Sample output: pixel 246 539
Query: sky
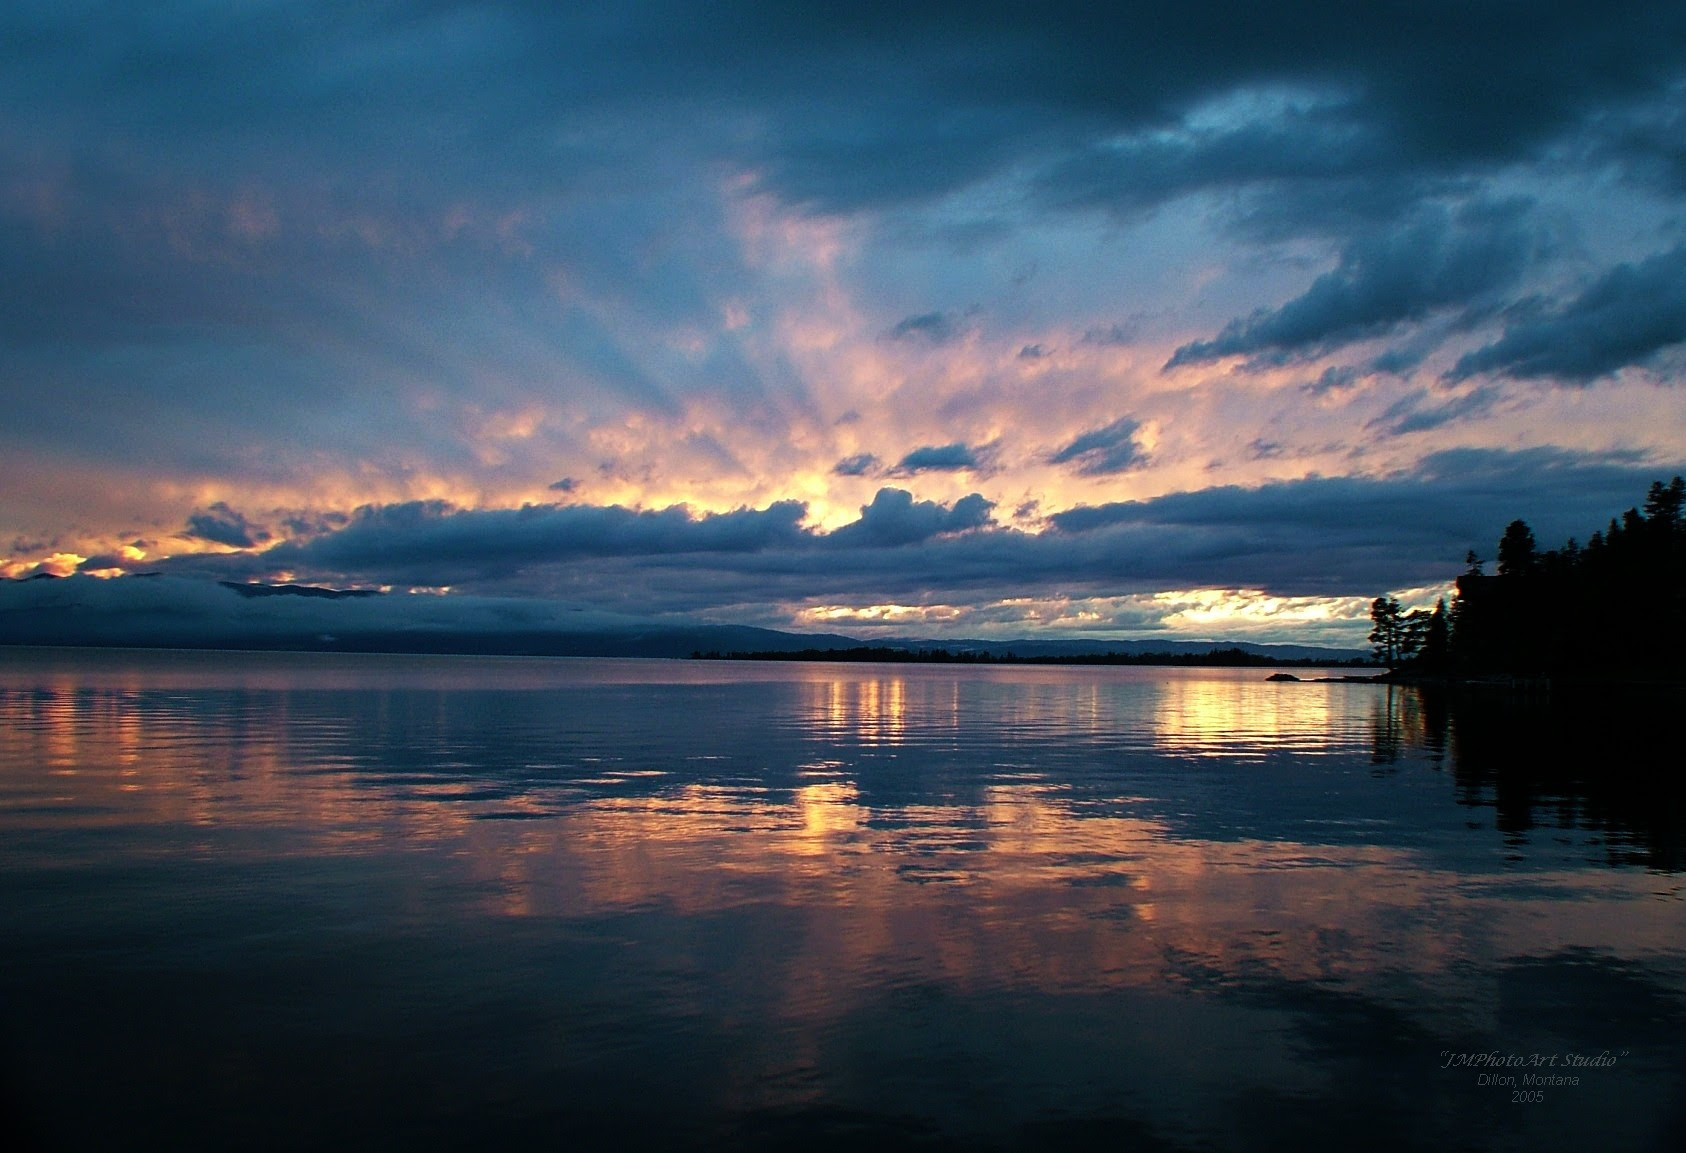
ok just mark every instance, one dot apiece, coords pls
pixel 985 319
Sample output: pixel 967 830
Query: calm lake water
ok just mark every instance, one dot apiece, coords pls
pixel 268 901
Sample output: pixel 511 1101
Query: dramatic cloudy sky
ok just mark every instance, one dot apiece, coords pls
pixel 968 319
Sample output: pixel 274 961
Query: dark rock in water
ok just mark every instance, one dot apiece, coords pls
pixel 1282 677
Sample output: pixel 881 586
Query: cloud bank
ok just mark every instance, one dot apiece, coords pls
pixel 1332 538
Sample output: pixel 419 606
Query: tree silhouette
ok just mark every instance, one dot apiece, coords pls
pixel 1615 609
pixel 1663 503
pixel 1516 550
pixel 1387 632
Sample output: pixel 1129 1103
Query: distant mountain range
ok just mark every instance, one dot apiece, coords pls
pixel 179 612
pixel 1028 647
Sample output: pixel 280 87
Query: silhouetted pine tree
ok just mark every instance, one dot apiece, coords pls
pixel 1387 631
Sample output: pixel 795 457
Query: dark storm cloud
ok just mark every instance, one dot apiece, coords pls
pixel 937 458
pixel 1436 260
pixel 1416 518
pixel 1318 536
pixel 309 523
pixel 1335 378
pixel 1315 537
pixel 422 539
pixel 220 524
pixel 1427 86
pixel 853 105
pixel 1105 450
pixel 433 544
pixel 1624 318
pixel 1418 412
pixel 1402 359
pixel 894 518
pixel 861 464
pixel 1319 147
pixel 1647 141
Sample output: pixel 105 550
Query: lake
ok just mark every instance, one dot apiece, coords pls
pixel 274 901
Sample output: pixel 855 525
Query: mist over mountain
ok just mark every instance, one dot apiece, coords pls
pixel 162 611
pixel 179 612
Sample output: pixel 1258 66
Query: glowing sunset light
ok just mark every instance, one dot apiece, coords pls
pixel 1300 319
pixel 1204 608
pixel 1339 913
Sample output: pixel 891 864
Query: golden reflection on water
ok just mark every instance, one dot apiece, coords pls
pixel 875 710
pixel 1206 718
pixel 1015 886
pixel 1020 892
pixel 1192 712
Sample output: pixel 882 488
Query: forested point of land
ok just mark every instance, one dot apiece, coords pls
pixel 1612 609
